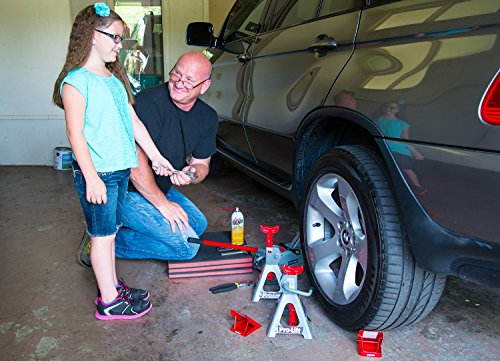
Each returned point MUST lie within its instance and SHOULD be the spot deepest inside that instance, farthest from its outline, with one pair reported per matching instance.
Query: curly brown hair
(80, 44)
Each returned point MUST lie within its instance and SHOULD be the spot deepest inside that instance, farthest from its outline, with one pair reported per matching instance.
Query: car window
(243, 20)
(336, 6)
(291, 12)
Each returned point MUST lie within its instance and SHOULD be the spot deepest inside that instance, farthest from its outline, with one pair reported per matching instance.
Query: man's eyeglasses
(116, 38)
(176, 77)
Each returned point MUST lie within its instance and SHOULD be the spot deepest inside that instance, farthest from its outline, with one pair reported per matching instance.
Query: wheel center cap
(346, 237)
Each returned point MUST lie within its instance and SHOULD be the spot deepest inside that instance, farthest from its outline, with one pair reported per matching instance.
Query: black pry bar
(226, 287)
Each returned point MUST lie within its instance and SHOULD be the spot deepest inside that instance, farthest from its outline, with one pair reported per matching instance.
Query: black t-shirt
(175, 132)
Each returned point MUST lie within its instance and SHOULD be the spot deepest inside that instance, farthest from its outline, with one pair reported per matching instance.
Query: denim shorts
(103, 219)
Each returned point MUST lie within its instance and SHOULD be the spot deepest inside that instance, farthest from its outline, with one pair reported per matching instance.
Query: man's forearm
(143, 180)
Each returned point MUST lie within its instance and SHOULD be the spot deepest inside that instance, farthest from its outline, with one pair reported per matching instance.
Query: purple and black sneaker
(135, 293)
(122, 308)
(123, 290)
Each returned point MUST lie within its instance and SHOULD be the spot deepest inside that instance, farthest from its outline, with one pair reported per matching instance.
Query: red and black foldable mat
(212, 261)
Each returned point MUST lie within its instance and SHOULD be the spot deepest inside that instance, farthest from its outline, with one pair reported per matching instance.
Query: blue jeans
(103, 219)
(147, 234)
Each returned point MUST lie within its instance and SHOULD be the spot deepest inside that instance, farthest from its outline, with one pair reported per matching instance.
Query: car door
(228, 91)
(294, 64)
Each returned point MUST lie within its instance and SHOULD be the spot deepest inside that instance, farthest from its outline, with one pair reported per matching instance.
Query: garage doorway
(142, 52)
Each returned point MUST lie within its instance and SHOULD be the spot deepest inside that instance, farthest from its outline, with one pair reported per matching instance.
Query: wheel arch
(323, 129)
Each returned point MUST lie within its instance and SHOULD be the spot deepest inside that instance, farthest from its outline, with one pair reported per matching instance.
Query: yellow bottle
(237, 227)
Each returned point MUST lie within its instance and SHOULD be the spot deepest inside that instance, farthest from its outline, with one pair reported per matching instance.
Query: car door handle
(243, 58)
(323, 43)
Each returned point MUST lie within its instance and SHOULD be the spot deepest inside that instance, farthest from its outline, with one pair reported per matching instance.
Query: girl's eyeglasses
(116, 38)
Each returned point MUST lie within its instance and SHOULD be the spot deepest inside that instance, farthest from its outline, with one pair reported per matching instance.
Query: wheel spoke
(315, 227)
(346, 198)
(352, 210)
(321, 238)
(325, 249)
(346, 286)
(350, 203)
(362, 253)
(322, 201)
(325, 275)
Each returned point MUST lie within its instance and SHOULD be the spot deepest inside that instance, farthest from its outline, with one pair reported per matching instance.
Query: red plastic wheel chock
(243, 325)
(370, 343)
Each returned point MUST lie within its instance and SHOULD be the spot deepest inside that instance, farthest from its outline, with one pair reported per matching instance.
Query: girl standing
(101, 124)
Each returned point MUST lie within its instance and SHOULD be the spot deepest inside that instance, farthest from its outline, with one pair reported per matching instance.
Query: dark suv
(379, 120)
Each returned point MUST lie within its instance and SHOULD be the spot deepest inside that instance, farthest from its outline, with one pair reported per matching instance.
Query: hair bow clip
(101, 9)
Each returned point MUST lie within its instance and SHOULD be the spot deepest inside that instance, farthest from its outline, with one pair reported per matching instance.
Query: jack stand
(290, 296)
(291, 254)
(273, 255)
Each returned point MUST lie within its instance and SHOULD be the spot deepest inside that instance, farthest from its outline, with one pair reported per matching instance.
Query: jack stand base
(301, 329)
(259, 292)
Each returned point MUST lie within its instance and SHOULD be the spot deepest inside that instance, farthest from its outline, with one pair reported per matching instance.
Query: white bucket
(62, 158)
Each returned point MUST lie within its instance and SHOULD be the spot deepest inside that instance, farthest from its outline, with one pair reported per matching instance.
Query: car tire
(356, 254)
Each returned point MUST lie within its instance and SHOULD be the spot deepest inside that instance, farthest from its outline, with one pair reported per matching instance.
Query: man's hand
(198, 167)
(182, 179)
(175, 215)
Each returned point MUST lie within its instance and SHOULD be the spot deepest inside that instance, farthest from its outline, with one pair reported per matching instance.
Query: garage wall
(32, 51)
(177, 15)
(31, 55)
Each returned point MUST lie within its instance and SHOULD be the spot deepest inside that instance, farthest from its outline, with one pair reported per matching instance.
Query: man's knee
(203, 224)
(199, 223)
(193, 250)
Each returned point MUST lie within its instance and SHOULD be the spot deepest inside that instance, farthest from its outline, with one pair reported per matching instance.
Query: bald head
(189, 79)
(198, 62)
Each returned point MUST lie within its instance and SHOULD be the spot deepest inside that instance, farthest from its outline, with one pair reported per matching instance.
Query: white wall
(32, 51)
(177, 15)
(33, 42)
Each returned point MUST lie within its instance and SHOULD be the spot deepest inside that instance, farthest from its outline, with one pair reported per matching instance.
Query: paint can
(62, 158)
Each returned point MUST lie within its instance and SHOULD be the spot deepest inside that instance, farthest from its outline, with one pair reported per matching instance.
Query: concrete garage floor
(47, 298)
